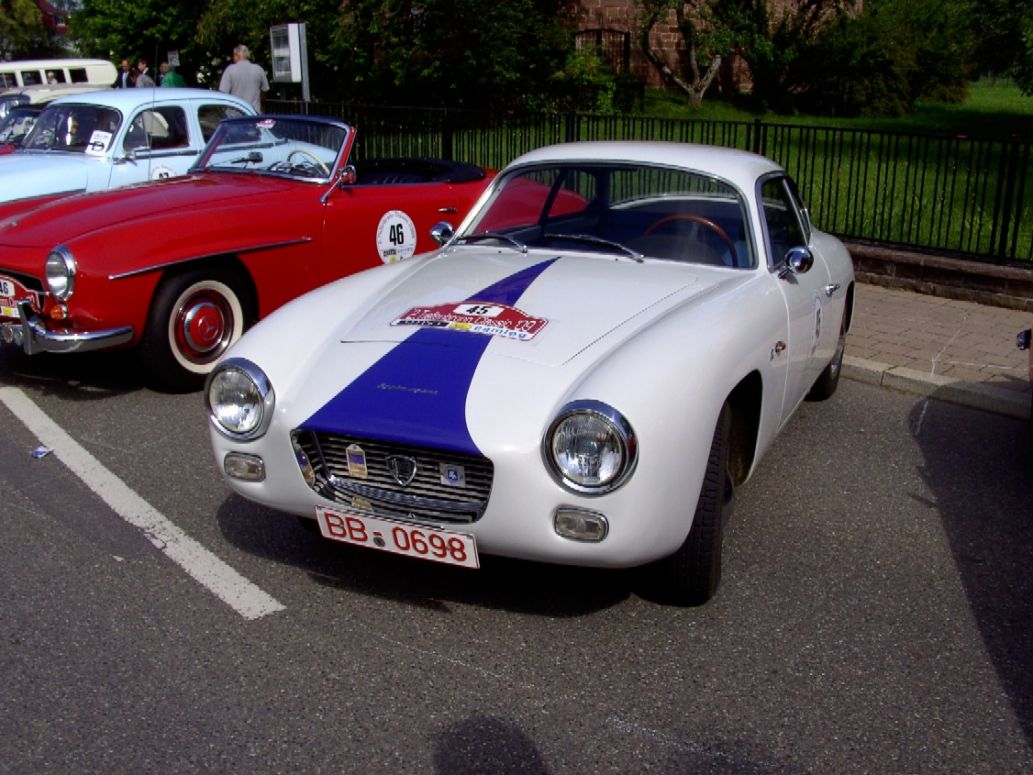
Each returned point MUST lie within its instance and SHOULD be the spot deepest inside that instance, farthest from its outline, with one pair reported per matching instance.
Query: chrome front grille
(445, 487)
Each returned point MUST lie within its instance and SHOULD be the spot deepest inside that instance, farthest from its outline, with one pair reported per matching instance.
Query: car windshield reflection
(298, 148)
(636, 211)
(86, 129)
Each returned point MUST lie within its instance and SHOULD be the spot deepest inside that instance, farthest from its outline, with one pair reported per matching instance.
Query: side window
(781, 218)
(78, 75)
(157, 128)
(31, 77)
(209, 117)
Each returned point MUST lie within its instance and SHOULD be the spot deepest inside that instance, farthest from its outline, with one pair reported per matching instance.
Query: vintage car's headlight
(590, 448)
(60, 272)
(240, 399)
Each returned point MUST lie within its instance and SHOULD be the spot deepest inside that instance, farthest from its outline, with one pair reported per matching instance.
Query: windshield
(301, 148)
(75, 128)
(640, 211)
(17, 124)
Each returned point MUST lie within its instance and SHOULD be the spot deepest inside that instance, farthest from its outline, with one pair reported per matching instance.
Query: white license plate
(427, 543)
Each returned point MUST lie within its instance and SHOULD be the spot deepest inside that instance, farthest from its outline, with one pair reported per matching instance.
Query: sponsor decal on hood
(416, 394)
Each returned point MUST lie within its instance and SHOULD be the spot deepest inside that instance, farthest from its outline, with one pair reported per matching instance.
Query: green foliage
(22, 33)
(117, 29)
(459, 53)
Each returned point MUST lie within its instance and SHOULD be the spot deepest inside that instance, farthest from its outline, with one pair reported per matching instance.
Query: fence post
(571, 127)
(1003, 224)
(447, 149)
(759, 141)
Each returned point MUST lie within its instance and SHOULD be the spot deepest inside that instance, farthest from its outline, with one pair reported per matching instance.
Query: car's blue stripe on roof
(416, 394)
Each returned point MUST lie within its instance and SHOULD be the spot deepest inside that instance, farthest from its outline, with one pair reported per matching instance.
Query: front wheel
(828, 380)
(691, 575)
(194, 318)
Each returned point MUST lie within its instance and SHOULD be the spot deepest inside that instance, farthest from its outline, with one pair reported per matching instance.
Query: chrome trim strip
(202, 257)
(36, 338)
(402, 499)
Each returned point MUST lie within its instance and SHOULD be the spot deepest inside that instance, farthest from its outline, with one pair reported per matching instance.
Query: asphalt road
(876, 613)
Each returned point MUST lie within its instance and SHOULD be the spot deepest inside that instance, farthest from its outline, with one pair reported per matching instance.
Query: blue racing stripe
(416, 394)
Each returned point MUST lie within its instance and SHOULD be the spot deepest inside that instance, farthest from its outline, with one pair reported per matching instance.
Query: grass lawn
(993, 110)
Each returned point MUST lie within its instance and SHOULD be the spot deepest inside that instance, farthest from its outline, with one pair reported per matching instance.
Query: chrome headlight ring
(60, 271)
(240, 399)
(590, 448)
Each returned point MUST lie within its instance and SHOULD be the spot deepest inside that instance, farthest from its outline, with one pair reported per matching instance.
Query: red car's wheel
(195, 317)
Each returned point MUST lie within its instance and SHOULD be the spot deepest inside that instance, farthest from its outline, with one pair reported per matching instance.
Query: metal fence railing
(966, 196)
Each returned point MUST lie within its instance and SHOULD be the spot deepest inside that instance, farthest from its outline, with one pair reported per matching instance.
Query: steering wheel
(318, 162)
(702, 222)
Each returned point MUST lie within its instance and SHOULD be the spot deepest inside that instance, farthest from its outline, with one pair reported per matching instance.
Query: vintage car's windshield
(636, 210)
(299, 148)
(16, 125)
(86, 129)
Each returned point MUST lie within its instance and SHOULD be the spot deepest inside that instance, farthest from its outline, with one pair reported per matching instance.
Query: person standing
(245, 79)
(169, 77)
(125, 77)
(143, 75)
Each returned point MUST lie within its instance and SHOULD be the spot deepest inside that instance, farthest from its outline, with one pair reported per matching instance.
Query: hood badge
(402, 469)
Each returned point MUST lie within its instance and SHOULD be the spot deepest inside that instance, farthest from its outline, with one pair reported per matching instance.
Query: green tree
(465, 53)
(118, 29)
(880, 62)
(707, 41)
(22, 32)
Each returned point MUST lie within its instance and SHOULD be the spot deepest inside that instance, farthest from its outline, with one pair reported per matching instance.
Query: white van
(35, 72)
(41, 80)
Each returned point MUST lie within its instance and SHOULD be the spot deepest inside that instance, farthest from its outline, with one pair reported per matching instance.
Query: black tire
(828, 380)
(692, 574)
(194, 318)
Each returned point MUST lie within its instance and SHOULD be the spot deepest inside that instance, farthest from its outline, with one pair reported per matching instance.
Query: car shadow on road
(500, 583)
(75, 376)
(979, 469)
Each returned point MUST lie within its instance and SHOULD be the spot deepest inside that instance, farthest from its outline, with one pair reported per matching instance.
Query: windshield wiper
(252, 158)
(591, 239)
(494, 235)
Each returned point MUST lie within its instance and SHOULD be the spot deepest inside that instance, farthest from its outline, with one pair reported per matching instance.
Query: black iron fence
(954, 194)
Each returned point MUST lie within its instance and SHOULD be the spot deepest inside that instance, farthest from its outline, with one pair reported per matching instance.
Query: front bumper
(33, 337)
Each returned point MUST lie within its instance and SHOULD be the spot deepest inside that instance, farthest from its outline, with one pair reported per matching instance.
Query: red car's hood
(74, 216)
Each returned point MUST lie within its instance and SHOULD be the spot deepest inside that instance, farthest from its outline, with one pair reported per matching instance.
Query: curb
(975, 395)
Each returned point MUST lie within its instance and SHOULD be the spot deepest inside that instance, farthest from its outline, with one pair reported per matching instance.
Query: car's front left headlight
(590, 448)
(240, 399)
(60, 271)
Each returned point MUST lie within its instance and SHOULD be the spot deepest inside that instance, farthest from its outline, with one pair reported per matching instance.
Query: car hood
(29, 174)
(467, 325)
(64, 219)
(539, 307)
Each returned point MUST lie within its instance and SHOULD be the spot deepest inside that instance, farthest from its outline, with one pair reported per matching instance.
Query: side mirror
(442, 232)
(799, 260)
(347, 176)
(128, 156)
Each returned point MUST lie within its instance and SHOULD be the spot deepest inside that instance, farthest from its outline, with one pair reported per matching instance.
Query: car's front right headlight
(60, 271)
(590, 448)
(240, 399)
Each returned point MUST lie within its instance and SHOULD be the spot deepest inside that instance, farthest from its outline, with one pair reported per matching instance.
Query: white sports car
(599, 354)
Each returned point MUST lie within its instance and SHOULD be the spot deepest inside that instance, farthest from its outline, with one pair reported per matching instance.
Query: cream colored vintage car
(596, 358)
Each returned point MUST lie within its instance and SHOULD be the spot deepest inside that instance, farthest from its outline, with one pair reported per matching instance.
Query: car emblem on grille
(402, 469)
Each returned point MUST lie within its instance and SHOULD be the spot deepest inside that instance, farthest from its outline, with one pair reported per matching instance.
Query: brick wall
(623, 15)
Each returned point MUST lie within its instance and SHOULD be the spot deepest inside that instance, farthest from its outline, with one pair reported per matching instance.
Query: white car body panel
(663, 342)
(32, 173)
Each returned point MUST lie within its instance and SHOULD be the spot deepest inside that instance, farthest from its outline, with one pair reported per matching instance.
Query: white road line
(223, 581)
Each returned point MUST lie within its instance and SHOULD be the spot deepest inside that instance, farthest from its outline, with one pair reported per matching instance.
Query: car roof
(739, 167)
(128, 99)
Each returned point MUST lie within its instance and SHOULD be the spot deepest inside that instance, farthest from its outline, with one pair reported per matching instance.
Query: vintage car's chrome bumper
(32, 336)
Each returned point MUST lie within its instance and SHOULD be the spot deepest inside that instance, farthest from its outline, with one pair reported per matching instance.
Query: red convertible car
(179, 268)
